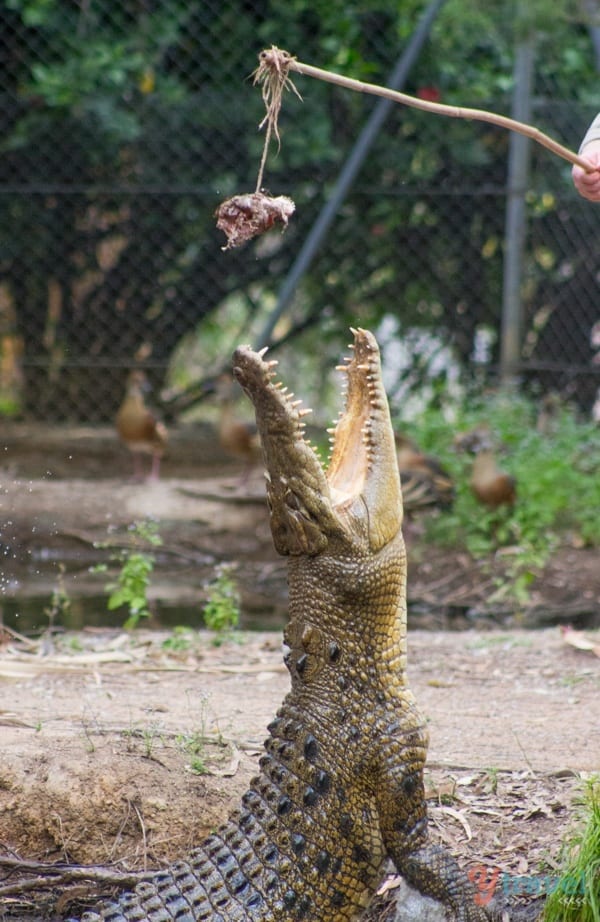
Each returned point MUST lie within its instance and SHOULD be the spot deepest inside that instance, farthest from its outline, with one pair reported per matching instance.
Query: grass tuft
(576, 896)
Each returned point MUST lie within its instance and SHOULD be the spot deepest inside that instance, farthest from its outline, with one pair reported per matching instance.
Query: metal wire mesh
(125, 124)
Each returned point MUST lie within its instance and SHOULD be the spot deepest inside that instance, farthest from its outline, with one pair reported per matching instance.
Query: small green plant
(181, 639)
(222, 609)
(136, 566)
(149, 735)
(492, 779)
(90, 746)
(73, 643)
(194, 745)
(60, 603)
(576, 895)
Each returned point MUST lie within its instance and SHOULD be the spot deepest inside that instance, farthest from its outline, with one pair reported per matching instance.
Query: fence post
(516, 218)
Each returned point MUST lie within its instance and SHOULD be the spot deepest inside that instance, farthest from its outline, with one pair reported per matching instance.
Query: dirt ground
(122, 750)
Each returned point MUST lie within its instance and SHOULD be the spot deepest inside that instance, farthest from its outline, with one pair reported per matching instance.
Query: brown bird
(425, 482)
(237, 437)
(138, 427)
(492, 486)
(549, 413)
(473, 440)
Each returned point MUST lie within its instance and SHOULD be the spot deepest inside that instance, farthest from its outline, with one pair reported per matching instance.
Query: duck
(492, 486)
(425, 481)
(138, 427)
(237, 437)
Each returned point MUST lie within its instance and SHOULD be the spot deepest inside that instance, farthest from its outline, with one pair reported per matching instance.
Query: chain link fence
(125, 124)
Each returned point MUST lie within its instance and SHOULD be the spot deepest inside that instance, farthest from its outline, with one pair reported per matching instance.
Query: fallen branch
(49, 875)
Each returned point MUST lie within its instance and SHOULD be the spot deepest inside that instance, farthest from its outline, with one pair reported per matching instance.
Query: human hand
(588, 184)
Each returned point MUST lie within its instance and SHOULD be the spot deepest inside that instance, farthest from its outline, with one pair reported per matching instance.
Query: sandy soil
(122, 751)
(118, 750)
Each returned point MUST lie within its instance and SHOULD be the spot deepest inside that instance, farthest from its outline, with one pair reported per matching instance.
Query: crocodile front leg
(434, 872)
(402, 812)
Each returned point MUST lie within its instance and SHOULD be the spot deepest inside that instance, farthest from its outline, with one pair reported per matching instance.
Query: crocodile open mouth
(355, 437)
(360, 494)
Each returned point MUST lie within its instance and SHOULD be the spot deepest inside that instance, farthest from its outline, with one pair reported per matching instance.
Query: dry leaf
(231, 769)
(458, 816)
(390, 883)
(579, 640)
(444, 788)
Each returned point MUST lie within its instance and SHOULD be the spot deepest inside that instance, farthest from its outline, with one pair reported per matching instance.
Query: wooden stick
(286, 63)
(51, 875)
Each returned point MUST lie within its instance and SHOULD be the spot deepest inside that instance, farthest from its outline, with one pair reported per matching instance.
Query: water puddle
(70, 596)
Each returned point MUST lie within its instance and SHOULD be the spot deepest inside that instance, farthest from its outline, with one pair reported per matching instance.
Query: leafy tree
(125, 124)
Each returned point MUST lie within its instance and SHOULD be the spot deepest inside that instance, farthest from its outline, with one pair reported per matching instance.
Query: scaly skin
(341, 779)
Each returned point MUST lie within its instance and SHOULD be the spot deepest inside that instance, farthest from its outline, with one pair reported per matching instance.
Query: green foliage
(492, 779)
(558, 484)
(99, 75)
(576, 896)
(60, 602)
(181, 639)
(194, 744)
(136, 566)
(9, 406)
(198, 765)
(222, 610)
(118, 94)
(73, 643)
(149, 735)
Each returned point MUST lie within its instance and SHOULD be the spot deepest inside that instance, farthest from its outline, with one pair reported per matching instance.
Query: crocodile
(340, 787)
